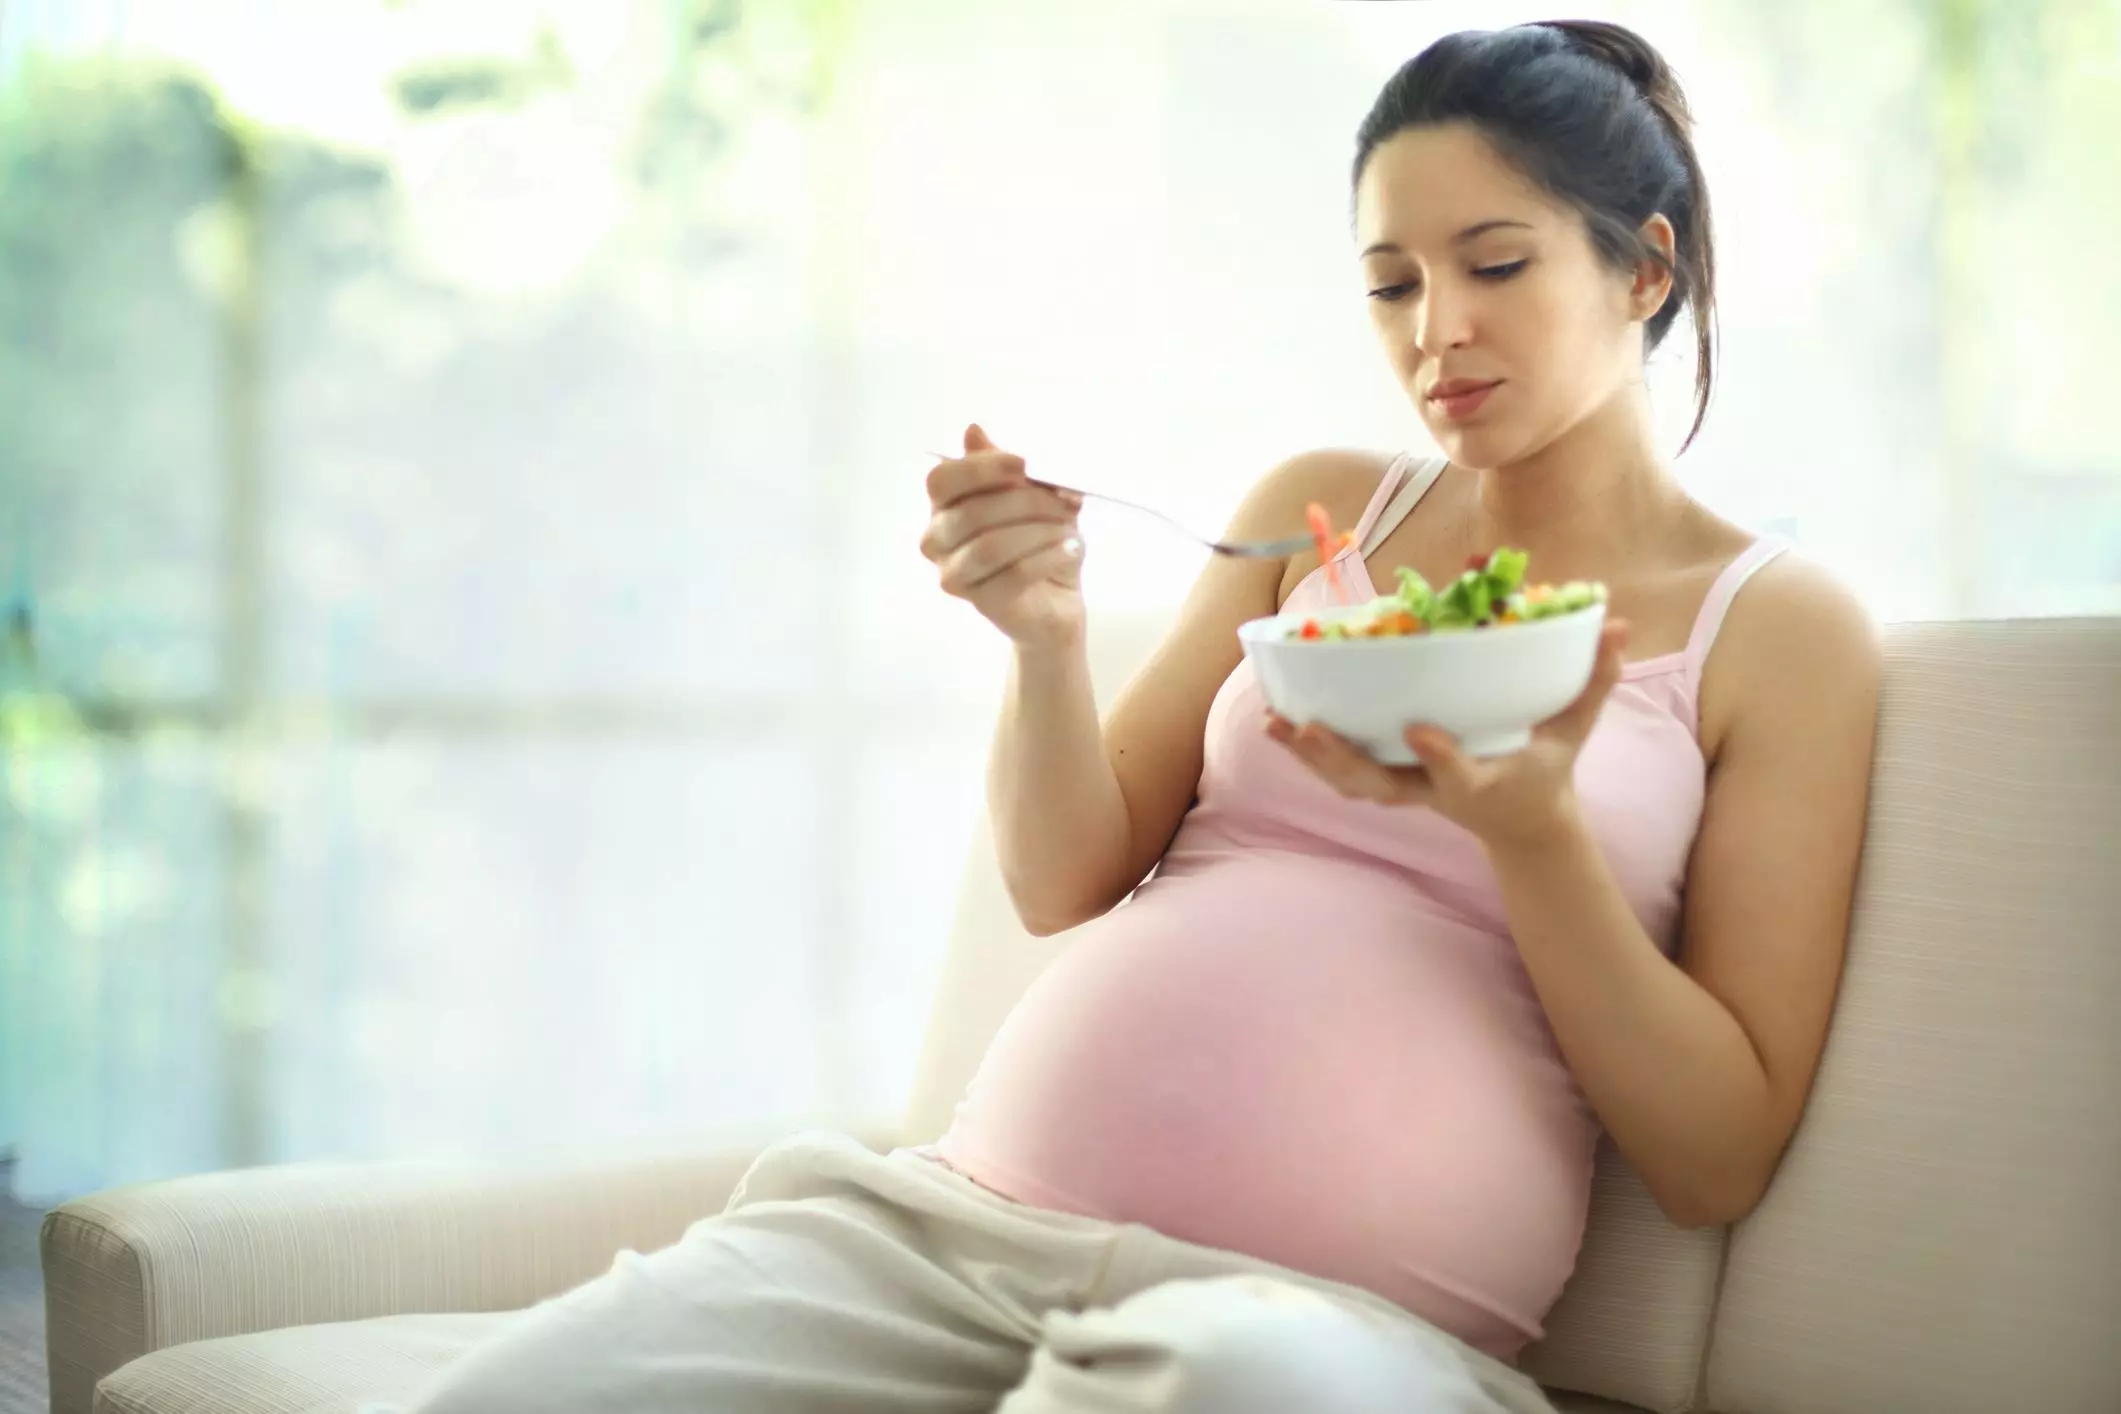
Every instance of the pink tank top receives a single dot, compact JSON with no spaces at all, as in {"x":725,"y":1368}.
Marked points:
{"x":1308,"y":1036}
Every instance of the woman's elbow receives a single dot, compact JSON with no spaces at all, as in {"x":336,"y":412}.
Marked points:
{"x":1044,"y":917}
{"x":1047,"y":902}
{"x":1694,"y":1214}
{"x":1047,"y":925}
{"x":1713,"y":1202}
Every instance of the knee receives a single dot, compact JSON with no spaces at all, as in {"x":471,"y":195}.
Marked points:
{"x":1253,"y":1345}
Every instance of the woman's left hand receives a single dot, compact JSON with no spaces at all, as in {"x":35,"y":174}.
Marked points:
{"x":1503,"y":800}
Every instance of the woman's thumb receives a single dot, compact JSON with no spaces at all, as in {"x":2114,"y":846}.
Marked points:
{"x":977,"y":440}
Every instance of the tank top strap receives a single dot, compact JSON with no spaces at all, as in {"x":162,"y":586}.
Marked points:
{"x":1394,"y":475}
{"x":1397,"y":495}
{"x":1720,"y":595}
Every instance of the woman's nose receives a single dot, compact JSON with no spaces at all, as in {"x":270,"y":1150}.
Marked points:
{"x":1442,"y":321}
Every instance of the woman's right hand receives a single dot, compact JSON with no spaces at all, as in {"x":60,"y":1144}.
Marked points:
{"x":1007,"y":547}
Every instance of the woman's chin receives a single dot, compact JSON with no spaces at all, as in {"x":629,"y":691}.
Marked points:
{"x":1475,"y":446}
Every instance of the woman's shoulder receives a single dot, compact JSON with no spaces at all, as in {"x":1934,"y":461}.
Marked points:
{"x":1787,"y":593}
{"x":1795,"y":643}
{"x":1793,"y":603}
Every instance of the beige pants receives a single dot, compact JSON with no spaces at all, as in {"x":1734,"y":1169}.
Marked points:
{"x":843,"y":1280}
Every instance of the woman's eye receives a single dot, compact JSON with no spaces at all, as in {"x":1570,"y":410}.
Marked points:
{"x":1501,"y":272}
{"x":1390,"y":293}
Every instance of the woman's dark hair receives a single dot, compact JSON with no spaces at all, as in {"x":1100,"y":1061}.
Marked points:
{"x":1593,"y":114}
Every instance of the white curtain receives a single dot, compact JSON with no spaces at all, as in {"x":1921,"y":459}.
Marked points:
{"x":480,"y":688}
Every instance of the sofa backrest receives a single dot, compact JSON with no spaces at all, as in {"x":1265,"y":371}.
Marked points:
{"x":1944,"y":1235}
{"x":1949,"y":1200}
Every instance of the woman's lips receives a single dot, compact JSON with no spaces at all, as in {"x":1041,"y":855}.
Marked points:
{"x":1461,"y":399}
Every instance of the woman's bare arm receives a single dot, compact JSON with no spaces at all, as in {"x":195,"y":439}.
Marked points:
{"x":1700,"y":1071}
{"x":1082,"y":810}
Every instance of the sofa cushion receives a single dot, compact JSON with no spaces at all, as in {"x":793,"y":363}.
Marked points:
{"x":152,"y":1265}
{"x":321,"y":1369}
{"x":1941,"y":1236}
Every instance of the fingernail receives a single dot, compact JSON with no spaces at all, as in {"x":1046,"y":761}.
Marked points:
{"x":1072,"y":547}
{"x":1073,"y":500}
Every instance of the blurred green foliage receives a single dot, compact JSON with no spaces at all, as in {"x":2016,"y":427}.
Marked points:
{"x":147,"y":230}
{"x":108,"y":347}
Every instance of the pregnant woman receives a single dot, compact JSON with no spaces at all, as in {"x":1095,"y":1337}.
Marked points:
{"x":1306,"y":1122}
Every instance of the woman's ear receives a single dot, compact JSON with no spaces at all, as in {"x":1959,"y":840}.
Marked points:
{"x":1653,"y":278}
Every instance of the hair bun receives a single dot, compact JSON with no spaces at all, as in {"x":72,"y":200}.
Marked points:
{"x":1621,"y":48}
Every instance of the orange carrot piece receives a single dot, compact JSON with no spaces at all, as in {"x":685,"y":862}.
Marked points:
{"x":1329,"y":547}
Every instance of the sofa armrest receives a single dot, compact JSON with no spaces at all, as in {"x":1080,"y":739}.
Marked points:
{"x":134,"y":1269}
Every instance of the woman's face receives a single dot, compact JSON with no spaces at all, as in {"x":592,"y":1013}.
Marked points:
{"x":1499,"y":318}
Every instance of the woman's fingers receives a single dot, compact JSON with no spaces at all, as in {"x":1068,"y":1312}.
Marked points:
{"x":988,"y":556}
{"x":973,"y":474}
{"x":1346,"y":767}
{"x":1441,"y":758}
{"x":955,"y":526}
{"x":1060,"y":564}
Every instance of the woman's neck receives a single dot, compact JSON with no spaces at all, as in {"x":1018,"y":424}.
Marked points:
{"x":1594,"y":492}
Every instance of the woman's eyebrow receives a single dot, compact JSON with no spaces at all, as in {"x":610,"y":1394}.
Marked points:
{"x":1470,"y":233}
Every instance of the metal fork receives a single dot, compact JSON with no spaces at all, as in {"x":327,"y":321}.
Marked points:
{"x":1239,"y":549}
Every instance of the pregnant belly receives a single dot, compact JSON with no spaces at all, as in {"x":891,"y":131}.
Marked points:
{"x":1297,"y":1059}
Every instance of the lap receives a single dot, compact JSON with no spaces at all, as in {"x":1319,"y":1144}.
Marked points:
{"x":848,"y":1283}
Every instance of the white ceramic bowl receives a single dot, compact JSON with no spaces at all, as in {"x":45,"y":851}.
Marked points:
{"x":1488,"y":687}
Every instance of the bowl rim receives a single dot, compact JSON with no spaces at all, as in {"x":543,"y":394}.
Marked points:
{"x":1260,"y":630}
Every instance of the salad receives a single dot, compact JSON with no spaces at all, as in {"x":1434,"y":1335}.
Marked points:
{"x":1491,"y":591}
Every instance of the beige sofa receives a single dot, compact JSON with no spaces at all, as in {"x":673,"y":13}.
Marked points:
{"x":1944,"y":1236}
